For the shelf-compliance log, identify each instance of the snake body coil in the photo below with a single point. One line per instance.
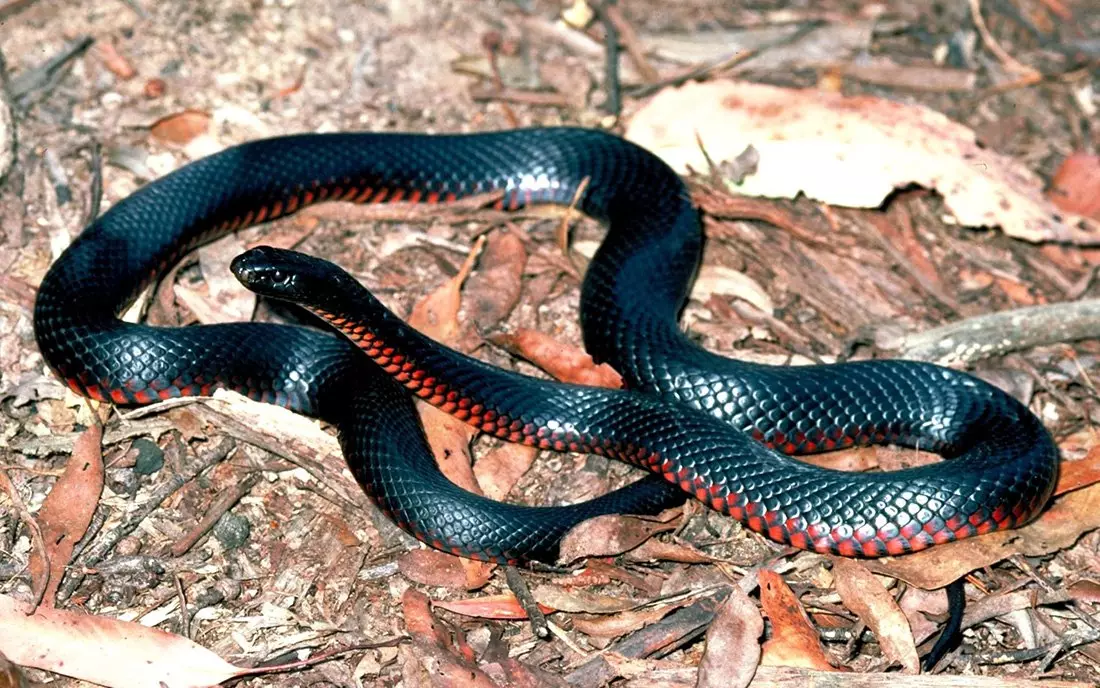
(717, 429)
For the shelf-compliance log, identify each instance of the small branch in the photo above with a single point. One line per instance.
(46, 75)
(1066, 642)
(723, 63)
(215, 512)
(614, 104)
(512, 95)
(519, 588)
(991, 43)
(632, 43)
(997, 334)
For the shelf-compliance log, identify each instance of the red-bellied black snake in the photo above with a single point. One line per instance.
(718, 429)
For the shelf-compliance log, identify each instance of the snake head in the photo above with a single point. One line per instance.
(295, 277)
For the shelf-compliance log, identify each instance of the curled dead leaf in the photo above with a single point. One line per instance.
(559, 598)
(181, 128)
(718, 279)
(661, 550)
(621, 623)
(610, 535)
(494, 289)
(732, 650)
(875, 606)
(566, 363)
(794, 640)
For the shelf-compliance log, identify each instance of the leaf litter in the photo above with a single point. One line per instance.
(671, 577)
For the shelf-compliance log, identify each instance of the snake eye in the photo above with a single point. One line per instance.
(278, 276)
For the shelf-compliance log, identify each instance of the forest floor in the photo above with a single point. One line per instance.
(914, 169)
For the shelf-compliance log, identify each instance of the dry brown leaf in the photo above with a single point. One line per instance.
(661, 550)
(494, 289)
(119, 654)
(181, 128)
(794, 640)
(1073, 475)
(565, 362)
(431, 567)
(1086, 590)
(615, 625)
(504, 607)
(918, 604)
(732, 650)
(865, 595)
(67, 512)
(1076, 185)
(419, 621)
(608, 536)
(850, 151)
(443, 664)
(559, 598)
(718, 279)
(500, 469)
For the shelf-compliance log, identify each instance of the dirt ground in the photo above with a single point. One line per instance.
(293, 561)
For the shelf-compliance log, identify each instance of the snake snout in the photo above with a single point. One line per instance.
(292, 276)
(272, 272)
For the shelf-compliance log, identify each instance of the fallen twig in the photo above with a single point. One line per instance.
(612, 84)
(217, 509)
(996, 334)
(43, 77)
(519, 588)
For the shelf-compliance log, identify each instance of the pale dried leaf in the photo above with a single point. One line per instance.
(609, 535)
(564, 600)
(875, 606)
(732, 650)
(119, 654)
(718, 279)
(850, 151)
